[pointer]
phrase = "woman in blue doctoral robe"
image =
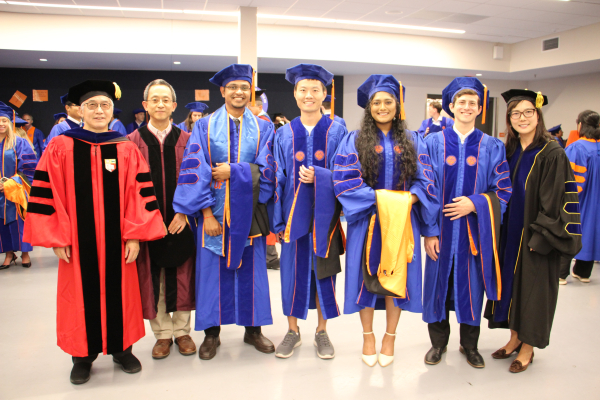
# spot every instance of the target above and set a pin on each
(231, 273)
(584, 156)
(16, 169)
(541, 224)
(367, 161)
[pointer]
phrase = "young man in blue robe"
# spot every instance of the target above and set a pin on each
(557, 134)
(139, 114)
(326, 109)
(73, 120)
(226, 178)
(306, 214)
(469, 166)
(435, 122)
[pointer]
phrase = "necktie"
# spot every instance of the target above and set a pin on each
(236, 121)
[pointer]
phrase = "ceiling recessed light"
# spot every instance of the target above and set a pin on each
(176, 62)
(478, 74)
(393, 12)
(43, 59)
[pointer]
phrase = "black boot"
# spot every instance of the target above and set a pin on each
(128, 362)
(434, 355)
(474, 359)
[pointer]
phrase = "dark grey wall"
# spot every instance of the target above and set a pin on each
(132, 83)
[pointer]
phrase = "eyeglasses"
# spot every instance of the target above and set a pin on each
(235, 88)
(93, 106)
(515, 115)
(155, 101)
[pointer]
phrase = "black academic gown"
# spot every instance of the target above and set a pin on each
(545, 200)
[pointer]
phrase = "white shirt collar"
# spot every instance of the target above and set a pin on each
(74, 120)
(461, 136)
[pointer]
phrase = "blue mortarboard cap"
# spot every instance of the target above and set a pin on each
(20, 122)
(234, 72)
(459, 84)
(64, 99)
(328, 98)
(381, 83)
(196, 106)
(138, 110)
(6, 111)
(308, 71)
(117, 111)
(555, 129)
(59, 116)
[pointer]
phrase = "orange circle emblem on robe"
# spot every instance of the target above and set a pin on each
(300, 156)
(451, 160)
(397, 149)
(471, 160)
(319, 155)
(379, 149)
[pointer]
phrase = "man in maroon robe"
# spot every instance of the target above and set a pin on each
(92, 201)
(166, 267)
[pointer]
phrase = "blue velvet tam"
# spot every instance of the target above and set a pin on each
(20, 122)
(555, 129)
(234, 72)
(196, 106)
(308, 71)
(64, 98)
(459, 84)
(138, 110)
(117, 111)
(59, 116)
(328, 99)
(379, 83)
(6, 111)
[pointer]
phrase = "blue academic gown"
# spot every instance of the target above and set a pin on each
(59, 129)
(337, 119)
(475, 167)
(182, 126)
(20, 159)
(38, 142)
(295, 147)
(358, 200)
(231, 273)
(117, 126)
(428, 123)
(584, 155)
(132, 127)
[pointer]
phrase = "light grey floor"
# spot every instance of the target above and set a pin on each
(32, 366)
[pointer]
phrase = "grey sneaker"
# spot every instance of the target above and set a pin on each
(288, 344)
(323, 345)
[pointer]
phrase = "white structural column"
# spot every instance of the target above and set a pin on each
(248, 31)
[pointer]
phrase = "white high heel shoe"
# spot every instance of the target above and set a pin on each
(384, 360)
(372, 359)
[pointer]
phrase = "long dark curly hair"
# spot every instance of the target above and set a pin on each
(368, 138)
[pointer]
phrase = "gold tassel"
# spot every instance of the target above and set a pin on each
(332, 115)
(402, 112)
(253, 90)
(117, 91)
(485, 96)
(539, 100)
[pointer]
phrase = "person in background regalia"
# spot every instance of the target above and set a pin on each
(541, 224)
(73, 120)
(226, 179)
(384, 158)
(140, 120)
(92, 202)
(116, 124)
(196, 112)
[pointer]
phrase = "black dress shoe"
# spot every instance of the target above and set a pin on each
(208, 348)
(474, 359)
(259, 342)
(273, 264)
(129, 363)
(434, 355)
(80, 373)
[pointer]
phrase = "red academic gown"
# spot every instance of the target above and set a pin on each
(93, 193)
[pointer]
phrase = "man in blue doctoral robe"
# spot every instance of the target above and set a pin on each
(435, 122)
(467, 164)
(306, 214)
(73, 120)
(139, 115)
(326, 110)
(35, 136)
(226, 178)
(557, 134)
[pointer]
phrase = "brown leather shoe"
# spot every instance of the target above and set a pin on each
(187, 347)
(259, 342)
(502, 354)
(517, 367)
(162, 348)
(208, 348)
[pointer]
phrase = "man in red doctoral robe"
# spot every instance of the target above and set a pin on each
(93, 201)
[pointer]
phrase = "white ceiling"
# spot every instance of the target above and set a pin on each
(498, 21)
(164, 62)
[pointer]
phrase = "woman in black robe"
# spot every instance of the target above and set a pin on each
(541, 224)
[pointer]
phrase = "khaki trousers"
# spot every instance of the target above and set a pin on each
(166, 326)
